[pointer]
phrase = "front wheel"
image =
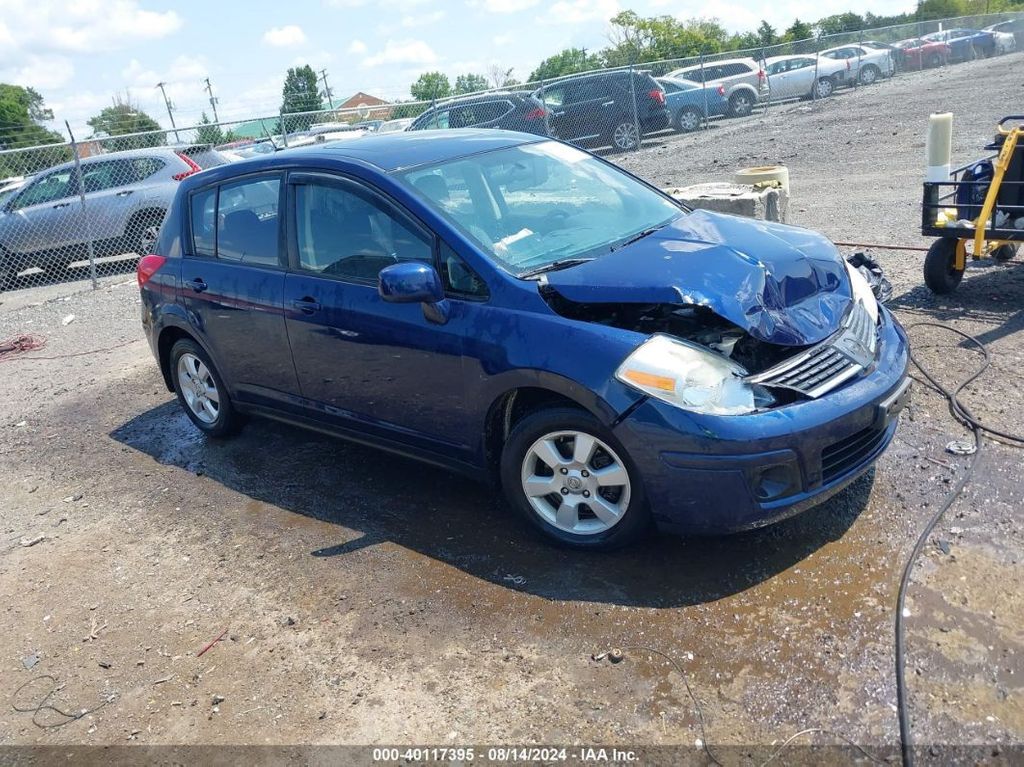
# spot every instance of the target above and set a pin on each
(573, 481)
(940, 272)
(201, 390)
(625, 136)
(825, 87)
(869, 74)
(688, 120)
(934, 60)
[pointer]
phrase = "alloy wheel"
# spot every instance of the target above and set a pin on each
(198, 388)
(147, 239)
(576, 482)
(824, 88)
(626, 136)
(689, 120)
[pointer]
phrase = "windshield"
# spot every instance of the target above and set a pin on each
(532, 205)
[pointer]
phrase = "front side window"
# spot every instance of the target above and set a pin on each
(51, 188)
(347, 234)
(531, 205)
(100, 176)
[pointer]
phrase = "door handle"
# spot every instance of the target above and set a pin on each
(198, 285)
(559, 114)
(608, 104)
(125, 193)
(306, 305)
(61, 205)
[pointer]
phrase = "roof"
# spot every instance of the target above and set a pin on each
(360, 99)
(386, 152)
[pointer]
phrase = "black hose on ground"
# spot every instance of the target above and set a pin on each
(963, 415)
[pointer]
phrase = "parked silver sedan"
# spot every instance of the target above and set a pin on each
(866, 64)
(117, 201)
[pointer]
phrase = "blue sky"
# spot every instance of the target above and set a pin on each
(79, 53)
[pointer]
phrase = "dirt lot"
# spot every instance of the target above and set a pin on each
(364, 599)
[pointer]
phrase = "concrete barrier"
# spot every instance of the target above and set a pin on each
(768, 203)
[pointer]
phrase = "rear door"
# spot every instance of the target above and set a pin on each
(379, 367)
(580, 109)
(110, 196)
(797, 79)
(232, 280)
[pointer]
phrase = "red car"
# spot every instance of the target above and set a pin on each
(916, 53)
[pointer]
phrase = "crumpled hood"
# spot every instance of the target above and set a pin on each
(782, 284)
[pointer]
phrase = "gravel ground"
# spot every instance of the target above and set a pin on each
(362, 598)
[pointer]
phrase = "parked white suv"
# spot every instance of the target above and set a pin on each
(866, 64)
(744, 81)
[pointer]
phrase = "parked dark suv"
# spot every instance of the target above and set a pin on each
(508, 111)
(599, 108)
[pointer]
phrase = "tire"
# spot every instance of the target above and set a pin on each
(869, 74)
(191, 379)
(741, 104)
(622, 516)
(934, 60)
(624, 136)
(940, 274)
(825, 88)
(141, 232)
(687, 120)
(8, 274)
(1004, 253)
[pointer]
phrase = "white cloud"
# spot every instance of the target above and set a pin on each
(357, 47)
(422, 19)
(44, 72)
(504, 6)
(282, 37)
(579, 11)
(409, 52)
(85, 26)
(504, 39)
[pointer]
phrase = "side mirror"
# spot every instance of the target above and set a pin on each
(410, 283)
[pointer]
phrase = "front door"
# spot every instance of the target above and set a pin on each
(45, 215)
(380, 367)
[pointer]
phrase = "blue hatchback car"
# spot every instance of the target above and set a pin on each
(514, 308)
(690, 103)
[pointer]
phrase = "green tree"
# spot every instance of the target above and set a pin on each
(798, 31)
(122, 118)
(470, 83)
(940, 9)
(567, 62)
(21, 111)
(766, 34)
(636, 39)
(300, 93)
(208, 133)
(840, 22)
(430, 86)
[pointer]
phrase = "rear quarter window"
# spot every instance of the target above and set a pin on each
(203, 215)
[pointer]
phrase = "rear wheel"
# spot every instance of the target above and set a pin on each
(688, 119)
(940, 272)
(625, 136)
(572, 480)
(201, 390)
(142, 232)
(741, 104)
(869, 74)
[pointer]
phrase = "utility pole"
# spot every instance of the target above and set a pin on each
(213, 101)
(327, 88)
(170, 113)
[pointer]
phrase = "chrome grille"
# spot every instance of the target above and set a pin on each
(823, 367)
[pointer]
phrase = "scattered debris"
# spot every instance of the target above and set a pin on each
(944, 546)
(599, 656)
(164, 679)
(26, 542)
(211, 644)
(29, 661)
(105, 664)
(67, 320)
(616, 656)
(218, 699)
(518, 580)
(289, 621)
(961, 447)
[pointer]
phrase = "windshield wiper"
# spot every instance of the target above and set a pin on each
(637, 236)
(554, 266)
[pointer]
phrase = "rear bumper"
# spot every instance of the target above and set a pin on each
(709, 475)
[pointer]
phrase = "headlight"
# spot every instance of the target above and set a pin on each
(691, 377)
(862, 291)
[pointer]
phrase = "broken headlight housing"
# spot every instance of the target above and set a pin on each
(691, 377)
(862, 292)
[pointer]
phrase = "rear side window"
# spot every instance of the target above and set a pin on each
(238, 221)
(147, 166)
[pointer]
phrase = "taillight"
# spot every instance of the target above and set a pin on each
(761, 75)
(148, 266)
(536, 114)
(658, 95)
(192, 167)
(721, 90)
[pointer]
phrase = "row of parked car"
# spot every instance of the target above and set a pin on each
(616, 108)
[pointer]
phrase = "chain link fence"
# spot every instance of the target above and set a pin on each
(88, 208)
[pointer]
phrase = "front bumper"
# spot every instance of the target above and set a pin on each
(713, 474)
